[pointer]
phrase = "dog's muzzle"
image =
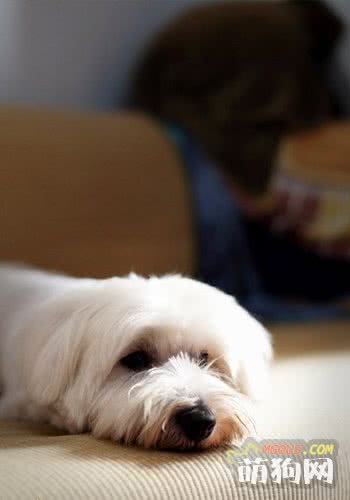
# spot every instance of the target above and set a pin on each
(196, 422)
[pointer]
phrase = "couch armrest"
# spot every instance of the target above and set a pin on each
(92, 194)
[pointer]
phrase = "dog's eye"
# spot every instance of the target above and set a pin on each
(203, 358)
(137, 361)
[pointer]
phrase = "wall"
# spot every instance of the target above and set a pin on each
(75, 53)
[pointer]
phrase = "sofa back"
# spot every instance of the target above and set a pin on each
(92, 194)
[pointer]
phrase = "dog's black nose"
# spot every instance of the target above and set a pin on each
(197, 422)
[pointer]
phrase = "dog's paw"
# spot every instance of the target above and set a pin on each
(62, 421)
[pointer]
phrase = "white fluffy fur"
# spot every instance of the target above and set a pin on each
(61, 340)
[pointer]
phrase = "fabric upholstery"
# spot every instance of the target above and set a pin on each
(92, 194)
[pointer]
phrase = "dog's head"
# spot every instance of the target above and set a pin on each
(162, 362)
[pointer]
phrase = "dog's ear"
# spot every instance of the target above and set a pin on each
(58, 358)
(253, 346)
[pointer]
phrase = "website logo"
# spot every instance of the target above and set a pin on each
(303, 463)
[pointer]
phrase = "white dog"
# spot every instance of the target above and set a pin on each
(161, 362)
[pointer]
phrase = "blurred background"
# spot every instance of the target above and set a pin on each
(83, 54)
(78, 54)
(234, 115)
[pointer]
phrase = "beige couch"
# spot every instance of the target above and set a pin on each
(97, 194)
